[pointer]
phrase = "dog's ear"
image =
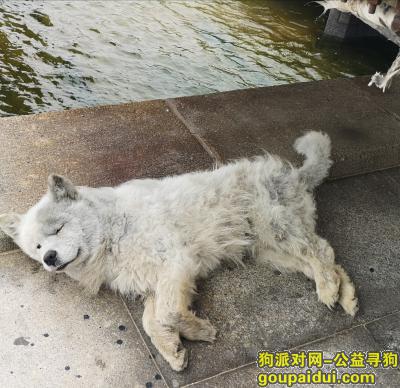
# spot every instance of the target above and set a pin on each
(62, 188)
(9, 224)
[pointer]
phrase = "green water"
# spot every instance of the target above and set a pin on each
(65, 54)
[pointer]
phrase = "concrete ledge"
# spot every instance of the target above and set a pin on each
(97, 146)
(365, 134)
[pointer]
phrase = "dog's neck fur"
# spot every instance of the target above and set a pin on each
(106, 244)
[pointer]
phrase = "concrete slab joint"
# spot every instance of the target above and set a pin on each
(207, 147)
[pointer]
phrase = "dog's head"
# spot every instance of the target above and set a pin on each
(58, 230)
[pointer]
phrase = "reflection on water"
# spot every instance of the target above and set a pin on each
(63, 54)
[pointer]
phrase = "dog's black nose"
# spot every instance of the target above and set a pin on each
(50, 258)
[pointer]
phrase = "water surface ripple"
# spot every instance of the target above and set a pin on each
(63, 54)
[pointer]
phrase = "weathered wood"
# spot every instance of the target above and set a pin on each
(384, 17)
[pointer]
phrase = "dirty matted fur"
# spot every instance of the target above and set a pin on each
(155, 237)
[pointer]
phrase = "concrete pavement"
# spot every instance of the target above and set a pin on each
(253, 309)
(53, 335)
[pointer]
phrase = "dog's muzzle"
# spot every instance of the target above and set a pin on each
(51, 260)
(63, 266)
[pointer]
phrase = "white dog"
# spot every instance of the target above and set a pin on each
(156, 237)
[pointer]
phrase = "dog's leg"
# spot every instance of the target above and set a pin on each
(332, 282)
(318, 263)
(333, 285)
(316, 259)
(173, 301)
(285, 262)
(321, 258)
(347, 298)
(324, 251)
(164, 337)
(194, 328)
(326, 279)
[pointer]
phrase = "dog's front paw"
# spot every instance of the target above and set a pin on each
(179, 360)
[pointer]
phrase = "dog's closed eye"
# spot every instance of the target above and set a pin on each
(59, 229)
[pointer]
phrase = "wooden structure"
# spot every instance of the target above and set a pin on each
(382, 16)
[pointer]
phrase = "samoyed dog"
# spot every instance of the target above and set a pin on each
(156, 237)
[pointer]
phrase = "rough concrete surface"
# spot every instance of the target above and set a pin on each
(388, 101)
(357, 339)
(347, 341)
(6, 244)
(360, 216)
(53, 335)
(386, 332)
(245, 122)
(96, 146)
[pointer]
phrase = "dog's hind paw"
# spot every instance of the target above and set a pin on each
(328, 290)
(347, 299)
(350, 306)
(328, 299)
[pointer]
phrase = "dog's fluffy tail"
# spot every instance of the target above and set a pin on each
(316, 147)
